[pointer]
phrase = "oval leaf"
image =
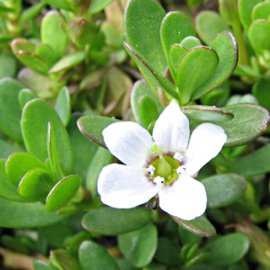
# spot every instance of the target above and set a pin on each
(110, 221)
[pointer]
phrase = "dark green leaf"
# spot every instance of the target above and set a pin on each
(92, 257)
(224, 189)
(139, 246)
(63, 105)
(110, 221)
(63, 260)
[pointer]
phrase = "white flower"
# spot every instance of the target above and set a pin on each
(162, 164)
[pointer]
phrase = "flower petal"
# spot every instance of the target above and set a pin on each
(171, 131)
(205, 143)
(185, 199)
(122, 186)
(128, 141)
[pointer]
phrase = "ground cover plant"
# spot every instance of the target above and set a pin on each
(134, 134)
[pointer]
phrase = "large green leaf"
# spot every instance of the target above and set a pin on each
(139, 246)
(35, 117)
(249, 121)
(261, 11)
(142, 30)
(224, 189)
(92, 256)
(227, 249)
(226, 48)
(10, 111)
(110, 221)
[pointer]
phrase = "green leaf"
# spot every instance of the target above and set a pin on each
(245, 8)
(25, 215)
(227, 249)
(200, 226)
(63, 105)
(207, 113)
(261, 11)
(63, 260)
(35, 184)
(68, 61)
(18, 164)
(261, 91)
(36, 116)
(111, 221)
(98, 5)
(255, 163)
(10, 112)
(192, 73)
(62, 4)
(32, 12)
(62, 192)
(224, 189)
(142, 31)
(92, 257)
(53, 32)
(226, 48)
(190, 42)
(8, 148)
(209, 24)
(8, 66)
(139, 246)
(39, 265)
(101, 158)
(7, 190)
(84, 151)
(167, 252)
(176, 55)
(249, 121)
(139, 92)
(257, 33)
(174, 28)
(26, 95)
(91, 126)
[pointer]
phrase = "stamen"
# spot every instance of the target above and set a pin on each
(159, 180)
(178, 156)
(151, 170)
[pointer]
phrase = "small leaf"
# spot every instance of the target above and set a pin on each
(139, 246)
(207, 113)
(148, 111)
(8, 66)
(40, 265)
(35, 184)
(62, 192)
(192, 73)
(245, 8)
(142, 31)
(176, 55)
(18, 164)
(111, 221)
(36, 116)
(226, 48)
(92, 257)
(10, 112)
(200, 226)
(53, 32)
(261, 11)
(257, 33)
(61, 4)
(174, 28)
(32, 12)
(261, 91)
(249, 121)
(26, 95)
(209, 24)
(224, 189)
(97, 5)
(190, 42)
(255, 163)
(91, 126)
(227, 249)
(68, 61)
(63, 260)
(63, 105)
